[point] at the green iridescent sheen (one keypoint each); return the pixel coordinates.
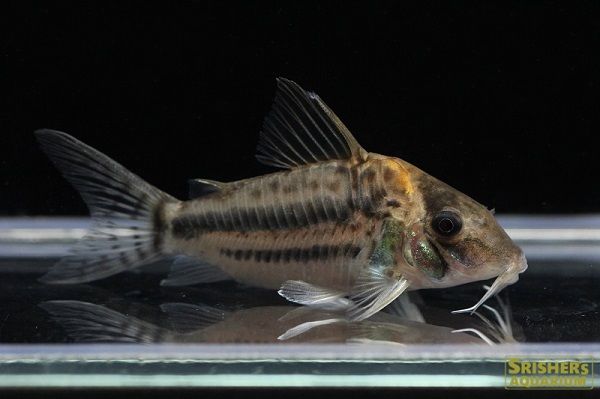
(428, 259)
(391, 237)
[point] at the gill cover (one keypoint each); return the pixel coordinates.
(419, 252)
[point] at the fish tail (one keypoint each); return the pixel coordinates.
(87, 322)
(128, 214)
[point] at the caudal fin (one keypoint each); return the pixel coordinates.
(127, 213)
(87, 322)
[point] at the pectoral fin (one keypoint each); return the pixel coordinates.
(376, 287)
(374, 291)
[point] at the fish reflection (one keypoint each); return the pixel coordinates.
(190, 323)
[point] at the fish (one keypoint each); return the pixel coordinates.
(200, 323)
(336, 227)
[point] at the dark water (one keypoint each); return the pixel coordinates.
(552, 302)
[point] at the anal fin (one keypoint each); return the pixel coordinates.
(186, 317)
(187, 270)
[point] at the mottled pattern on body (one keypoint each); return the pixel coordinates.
(318, 223)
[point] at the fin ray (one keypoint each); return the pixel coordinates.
(202, 187)
(307, 326)
(123, 234)
(87, 322)
(301, 129)
(405, 308)
(187, 270)
(374, 291)
(308, 294)
(186, 317)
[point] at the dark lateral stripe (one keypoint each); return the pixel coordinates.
(296, 254)
(286, 216)
(158, 224)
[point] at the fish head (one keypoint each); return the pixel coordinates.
(455, 240)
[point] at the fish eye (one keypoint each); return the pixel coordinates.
(447, 223)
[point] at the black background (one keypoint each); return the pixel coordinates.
(498, 99)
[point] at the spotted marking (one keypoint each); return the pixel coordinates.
(334, 186)
(256, 194)
(393, 203)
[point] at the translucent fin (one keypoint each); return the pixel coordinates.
(307, 326)
(311, 295)
(126, 212)
(202, 187)
(87, 322)
(187, 270)
(374, 291)
(185, 317)
(298, 312)
(301, 129)
(404, 307)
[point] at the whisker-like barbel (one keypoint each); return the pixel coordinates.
(510, 276)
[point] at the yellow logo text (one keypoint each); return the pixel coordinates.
(520, 373)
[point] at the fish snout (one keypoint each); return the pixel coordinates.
(516, 267)
(520, 264)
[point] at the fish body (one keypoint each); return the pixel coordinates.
(338, 227)
(317, 223)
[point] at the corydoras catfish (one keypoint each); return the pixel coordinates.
(338, 227)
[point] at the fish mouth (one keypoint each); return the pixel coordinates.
(508, 277)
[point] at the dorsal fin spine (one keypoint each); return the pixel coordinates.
(295, 135)
(306, 129)
(301, 129)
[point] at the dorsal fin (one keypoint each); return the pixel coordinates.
(201, 187)
(301, 129)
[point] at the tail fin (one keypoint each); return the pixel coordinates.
(128, 213)
(87, 322)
